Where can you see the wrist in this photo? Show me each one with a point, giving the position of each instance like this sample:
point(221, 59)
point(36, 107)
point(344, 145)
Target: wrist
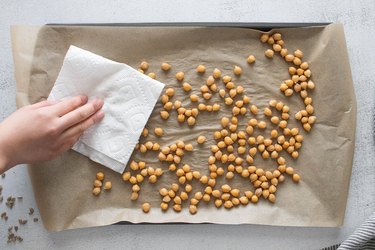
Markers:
point(5, 162)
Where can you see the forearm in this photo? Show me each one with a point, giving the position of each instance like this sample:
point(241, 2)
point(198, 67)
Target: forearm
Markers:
point(4, 157)
point(4, 161)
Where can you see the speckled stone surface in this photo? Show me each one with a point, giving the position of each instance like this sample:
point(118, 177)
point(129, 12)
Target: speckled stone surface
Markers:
point(358, 18)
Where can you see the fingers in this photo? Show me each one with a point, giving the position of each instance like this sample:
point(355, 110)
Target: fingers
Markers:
point(79, 128)
point(64, 107)
point(80, 114)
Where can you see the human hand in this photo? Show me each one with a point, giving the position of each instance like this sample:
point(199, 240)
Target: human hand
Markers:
point(44, 130)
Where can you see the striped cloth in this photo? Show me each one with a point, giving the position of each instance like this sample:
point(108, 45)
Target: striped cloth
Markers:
point(362, 239)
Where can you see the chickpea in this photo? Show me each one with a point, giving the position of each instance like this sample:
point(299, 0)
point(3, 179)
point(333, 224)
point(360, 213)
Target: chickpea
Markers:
point(264, 37)
point(144, 65)
point(227, 79)
point(100, 176)
point(271, 41)
point(126, 176)
point(133, 180)
point(194, 98)
point(228, 101)
point(298, 53)
point(289, 58)
point(254, 109)
point(180, 76)
point(272, 198)
point(296, 178)
point(213, 87)
point(275, 119)
point(230, 85)
point(177, 208)
point(265, 193)
point(228, 204)
point(159, 132)
point(152, 75)
point(284, 52)
point(311, 119)
point(226, 188)
point(297, 61)
point(307, 73)
point(134, 196)
point(216, 73)
point(310, 84)
point(276, 47)
point(269, 53)
point(165, 66)
point(288, 92)
point(211, 182)
point(310, 109)
point(229, 175)
point(164, 206)
point(237, 70)
point(216, 107)
point(191, 121)
point(98, 183)
point(251, 59)
point(262, 125)
point(142, 148)
point(164, 114)
point(204, 89)
point(254, 199)
point(96, 191)
point(207, 96)
point(201, 69)
point(210, 81)
point(245, 99)
point(304, 65)
point(186, 87)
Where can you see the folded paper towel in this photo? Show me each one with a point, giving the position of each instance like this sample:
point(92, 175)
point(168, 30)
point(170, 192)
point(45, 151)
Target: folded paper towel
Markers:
point(129, 98)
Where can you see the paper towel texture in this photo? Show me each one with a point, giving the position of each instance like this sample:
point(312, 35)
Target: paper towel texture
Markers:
point(129, 98)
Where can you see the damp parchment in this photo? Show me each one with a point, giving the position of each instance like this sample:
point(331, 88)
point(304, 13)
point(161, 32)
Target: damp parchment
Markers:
point(63, 186)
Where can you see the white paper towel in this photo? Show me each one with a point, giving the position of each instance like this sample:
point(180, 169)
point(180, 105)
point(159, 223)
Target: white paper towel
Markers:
point(129, 98)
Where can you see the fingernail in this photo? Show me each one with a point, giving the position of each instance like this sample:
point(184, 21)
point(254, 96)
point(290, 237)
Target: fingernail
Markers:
point(98, 103)
point(84, 98)
point(100, 115)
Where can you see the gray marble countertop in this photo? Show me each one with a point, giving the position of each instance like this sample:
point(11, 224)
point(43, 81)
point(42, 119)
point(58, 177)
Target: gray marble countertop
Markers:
point(358, 18)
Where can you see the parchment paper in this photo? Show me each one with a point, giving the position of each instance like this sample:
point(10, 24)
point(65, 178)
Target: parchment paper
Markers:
point(63, 186)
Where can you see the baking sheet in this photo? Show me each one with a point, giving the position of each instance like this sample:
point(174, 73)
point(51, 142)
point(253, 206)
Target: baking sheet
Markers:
point(63, 186)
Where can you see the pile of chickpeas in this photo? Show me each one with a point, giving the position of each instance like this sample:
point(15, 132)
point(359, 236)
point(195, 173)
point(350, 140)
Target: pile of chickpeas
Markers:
point(234, 149)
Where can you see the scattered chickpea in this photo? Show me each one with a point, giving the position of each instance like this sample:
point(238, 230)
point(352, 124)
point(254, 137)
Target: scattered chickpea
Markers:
point(169, 92)
point(298, 53)
point(251, 59)
point(144, 65)
point(180, 76)
point(165, 66)
point(98, 183)
point(194, 98)
point(269, 53)
point(152, 75)
point(191, 121)
point(159, 132)
point(100, 176)
point(237, 70)
point(201, 139)
point(296, 178)
point(201, 69)
point(96, 191)
point(186, 87)
point(254, 109)
point(264, 37)
point(164, 114)
point(216, 73)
